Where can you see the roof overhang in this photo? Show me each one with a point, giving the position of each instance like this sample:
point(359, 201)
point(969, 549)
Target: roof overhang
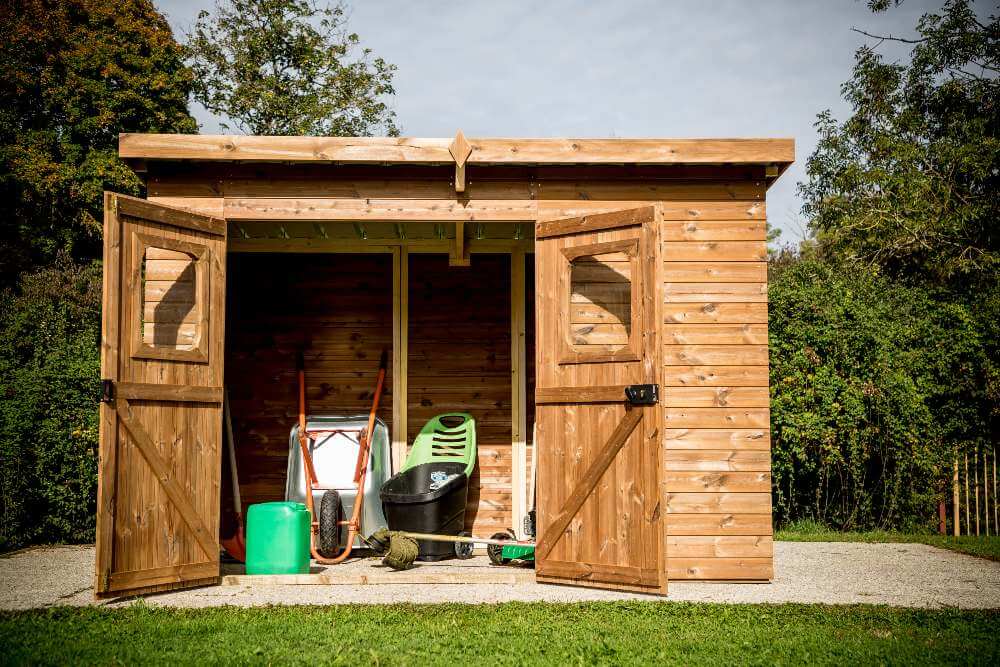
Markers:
point(774, 154)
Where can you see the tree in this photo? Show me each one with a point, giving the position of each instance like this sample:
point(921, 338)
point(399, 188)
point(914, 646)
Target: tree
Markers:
point(875, 386)
point(50, 330)
point(908, 183)
point(73, 74)
point(289, 67)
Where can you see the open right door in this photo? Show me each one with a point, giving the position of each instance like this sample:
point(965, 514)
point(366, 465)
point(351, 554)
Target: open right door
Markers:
point(600, 517)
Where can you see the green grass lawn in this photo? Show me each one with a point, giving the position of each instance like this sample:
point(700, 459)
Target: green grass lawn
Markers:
point(808, 531)
point(512, 633)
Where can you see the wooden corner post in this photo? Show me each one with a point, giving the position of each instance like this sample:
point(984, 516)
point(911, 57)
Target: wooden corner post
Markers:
point(400, 353)
point(519, 398)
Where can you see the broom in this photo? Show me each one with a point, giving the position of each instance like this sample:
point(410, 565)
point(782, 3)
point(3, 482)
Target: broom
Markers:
point(235, 545)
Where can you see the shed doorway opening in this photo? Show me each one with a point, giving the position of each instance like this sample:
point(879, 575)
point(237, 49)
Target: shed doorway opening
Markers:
point(451, 333)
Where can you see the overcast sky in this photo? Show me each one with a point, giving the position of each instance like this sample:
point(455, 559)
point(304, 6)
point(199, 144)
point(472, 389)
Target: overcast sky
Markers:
point(628, 68)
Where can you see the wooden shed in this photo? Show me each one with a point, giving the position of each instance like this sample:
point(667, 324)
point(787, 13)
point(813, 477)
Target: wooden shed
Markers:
point(530, 282)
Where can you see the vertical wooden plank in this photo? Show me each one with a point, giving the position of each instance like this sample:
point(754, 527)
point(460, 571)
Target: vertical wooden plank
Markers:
point(653, 354)
point(459, 250)
point(968, 524)
point(975, 488)
point(519, 408)
point(986, 491)
point(955, 514)
point(400, 353)
point(108, 428)
point(996, 511)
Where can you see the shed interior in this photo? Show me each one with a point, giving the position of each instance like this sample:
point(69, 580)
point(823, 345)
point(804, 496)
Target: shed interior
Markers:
point(338, 310)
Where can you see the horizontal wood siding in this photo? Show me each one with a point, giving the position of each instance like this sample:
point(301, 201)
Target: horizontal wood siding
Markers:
point(717, 463)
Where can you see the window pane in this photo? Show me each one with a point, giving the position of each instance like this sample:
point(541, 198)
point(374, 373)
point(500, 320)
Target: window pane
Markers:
point(601, 300)
point(169, 316)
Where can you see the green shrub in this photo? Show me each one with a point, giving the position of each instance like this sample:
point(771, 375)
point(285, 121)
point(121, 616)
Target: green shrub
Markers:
point(874, 387)
point(49, 385)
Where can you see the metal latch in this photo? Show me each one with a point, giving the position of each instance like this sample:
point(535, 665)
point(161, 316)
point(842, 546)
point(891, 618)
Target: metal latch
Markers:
point(642, 394)
point(107, 391)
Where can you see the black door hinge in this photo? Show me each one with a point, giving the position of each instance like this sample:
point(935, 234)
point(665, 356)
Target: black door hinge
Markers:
point(107, 391)
point(642, 394)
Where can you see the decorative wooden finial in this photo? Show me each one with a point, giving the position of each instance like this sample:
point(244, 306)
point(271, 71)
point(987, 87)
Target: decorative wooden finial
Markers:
point(460, 150)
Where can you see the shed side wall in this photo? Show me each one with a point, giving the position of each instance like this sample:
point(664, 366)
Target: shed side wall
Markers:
point(717, 458)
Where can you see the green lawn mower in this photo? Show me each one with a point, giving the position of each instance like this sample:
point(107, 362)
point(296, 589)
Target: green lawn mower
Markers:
point(399, 547)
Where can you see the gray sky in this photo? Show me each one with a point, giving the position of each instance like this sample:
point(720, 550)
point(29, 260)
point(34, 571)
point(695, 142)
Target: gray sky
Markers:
point(631, 68)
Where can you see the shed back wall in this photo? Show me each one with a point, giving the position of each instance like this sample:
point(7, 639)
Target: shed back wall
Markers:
point(459, 361)
point(337, 309)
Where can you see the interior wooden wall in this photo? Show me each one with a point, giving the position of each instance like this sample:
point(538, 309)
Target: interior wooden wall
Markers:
point(338, 310)
point(459, 361)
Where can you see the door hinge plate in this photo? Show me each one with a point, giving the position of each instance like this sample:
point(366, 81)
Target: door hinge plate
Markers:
point(107, 391)
point(642, 394)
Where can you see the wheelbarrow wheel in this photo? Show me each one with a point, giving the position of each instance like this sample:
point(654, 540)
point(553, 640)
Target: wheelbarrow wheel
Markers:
point(495, 551)
point(331, 512)
point(463, 550)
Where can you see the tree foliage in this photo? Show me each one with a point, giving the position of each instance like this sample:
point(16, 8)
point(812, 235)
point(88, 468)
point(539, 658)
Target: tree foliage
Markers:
point(874, 388)
point(883, 327)
point(73, 74)
point(908, 183)
point(49, 386)
point(289, 67)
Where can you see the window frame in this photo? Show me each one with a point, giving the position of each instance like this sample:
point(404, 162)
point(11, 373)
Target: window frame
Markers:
point(573, 353)
point(201, 255)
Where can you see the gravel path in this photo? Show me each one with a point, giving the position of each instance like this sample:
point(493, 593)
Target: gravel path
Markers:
point(907, 575)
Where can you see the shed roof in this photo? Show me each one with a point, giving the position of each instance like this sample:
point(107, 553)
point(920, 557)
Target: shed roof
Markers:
point(403, 150)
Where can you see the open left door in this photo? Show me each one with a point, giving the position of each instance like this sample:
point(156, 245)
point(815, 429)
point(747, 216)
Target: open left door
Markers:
point(599, 422)
point(161, 410)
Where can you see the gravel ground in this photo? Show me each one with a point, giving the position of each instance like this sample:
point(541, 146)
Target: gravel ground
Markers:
point(906, 575)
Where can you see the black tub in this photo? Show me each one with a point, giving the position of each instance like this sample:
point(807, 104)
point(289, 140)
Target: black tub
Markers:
point(409, 503)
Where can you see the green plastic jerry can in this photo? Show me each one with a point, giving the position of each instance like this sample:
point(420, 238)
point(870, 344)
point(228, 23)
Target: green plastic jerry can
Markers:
point(278, 538)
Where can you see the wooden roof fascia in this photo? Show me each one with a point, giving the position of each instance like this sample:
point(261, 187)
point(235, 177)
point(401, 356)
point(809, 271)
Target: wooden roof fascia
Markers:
point(400, 150)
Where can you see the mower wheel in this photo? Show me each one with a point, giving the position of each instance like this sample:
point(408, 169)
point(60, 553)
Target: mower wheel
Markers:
point(331, 512)
point(495, 551)
point(463, 550)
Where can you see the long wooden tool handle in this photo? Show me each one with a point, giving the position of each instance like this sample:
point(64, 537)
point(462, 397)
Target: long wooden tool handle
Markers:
point(462, 538)
point(231, 446)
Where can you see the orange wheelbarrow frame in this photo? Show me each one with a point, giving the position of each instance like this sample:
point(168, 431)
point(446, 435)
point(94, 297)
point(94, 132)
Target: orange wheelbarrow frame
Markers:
point(360, 471)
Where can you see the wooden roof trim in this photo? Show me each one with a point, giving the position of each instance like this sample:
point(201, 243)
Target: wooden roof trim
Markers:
point(283, 149)
point(436, 151)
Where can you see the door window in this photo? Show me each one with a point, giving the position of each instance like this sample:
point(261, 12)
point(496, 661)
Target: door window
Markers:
point(603, 312)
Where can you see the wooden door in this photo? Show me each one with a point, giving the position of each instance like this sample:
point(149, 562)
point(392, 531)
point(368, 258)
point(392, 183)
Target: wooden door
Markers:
point(600, 517)
point(161, 409)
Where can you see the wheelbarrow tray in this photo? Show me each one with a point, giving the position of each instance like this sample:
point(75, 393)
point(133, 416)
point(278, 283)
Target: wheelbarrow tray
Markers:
point(335, 457)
